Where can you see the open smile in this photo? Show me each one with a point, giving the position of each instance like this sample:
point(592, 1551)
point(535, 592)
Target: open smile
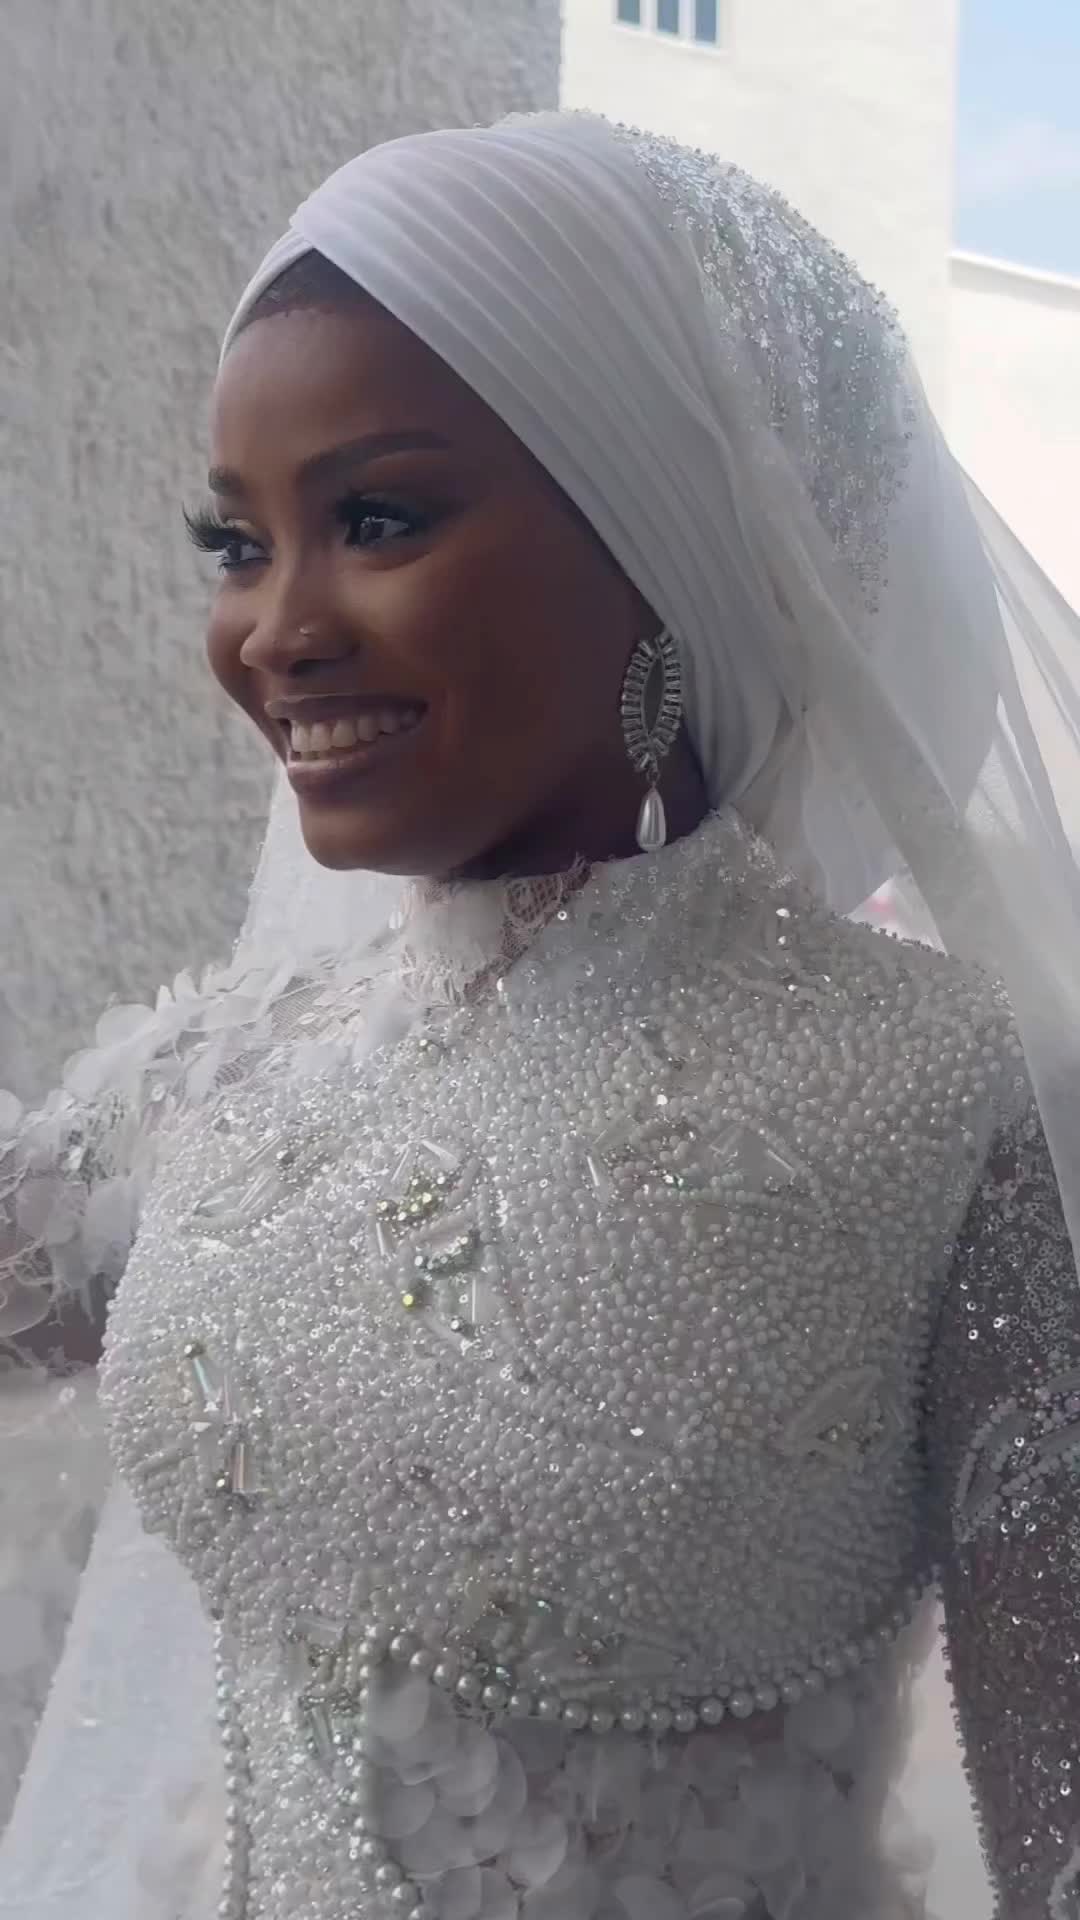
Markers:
point(323, 754)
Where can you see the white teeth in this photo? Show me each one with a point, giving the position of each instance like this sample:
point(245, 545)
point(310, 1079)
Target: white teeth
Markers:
point(323, 738)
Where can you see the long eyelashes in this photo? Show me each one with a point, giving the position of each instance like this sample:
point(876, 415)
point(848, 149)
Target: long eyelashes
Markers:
point(365, 521)
point(207, 532)
point(211, 535)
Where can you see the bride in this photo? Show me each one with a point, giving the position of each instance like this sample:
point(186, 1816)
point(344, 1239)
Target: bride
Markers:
point(586, 1290)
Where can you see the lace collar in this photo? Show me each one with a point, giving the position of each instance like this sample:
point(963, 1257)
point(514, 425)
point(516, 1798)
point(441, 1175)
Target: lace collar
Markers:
point(450, 941)
point(447, 946)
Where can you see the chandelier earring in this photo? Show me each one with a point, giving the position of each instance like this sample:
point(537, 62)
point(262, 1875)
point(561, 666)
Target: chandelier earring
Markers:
point(651, 706)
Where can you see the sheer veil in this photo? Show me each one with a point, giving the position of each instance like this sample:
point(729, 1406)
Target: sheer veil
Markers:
point(878, 674)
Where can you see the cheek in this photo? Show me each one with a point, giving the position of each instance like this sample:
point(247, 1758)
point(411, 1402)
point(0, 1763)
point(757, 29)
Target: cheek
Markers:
point(503, 621)
point(480, 638)
point(551, 642)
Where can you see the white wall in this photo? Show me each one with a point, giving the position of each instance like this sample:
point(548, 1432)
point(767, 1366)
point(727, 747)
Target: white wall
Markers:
point(1014, 403)
point(845, 105)
point(152, 150)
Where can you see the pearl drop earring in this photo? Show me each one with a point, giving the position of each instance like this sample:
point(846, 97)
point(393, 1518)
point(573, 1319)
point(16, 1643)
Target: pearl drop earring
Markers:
point(651, 709)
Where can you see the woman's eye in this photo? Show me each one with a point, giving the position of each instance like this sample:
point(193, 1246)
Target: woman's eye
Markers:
point(372, 523)
point(366, 522)
point(373, 528)
point(239, 551)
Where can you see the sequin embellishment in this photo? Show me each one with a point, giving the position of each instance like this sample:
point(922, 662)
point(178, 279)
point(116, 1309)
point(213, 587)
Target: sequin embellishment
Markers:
point(827, 347)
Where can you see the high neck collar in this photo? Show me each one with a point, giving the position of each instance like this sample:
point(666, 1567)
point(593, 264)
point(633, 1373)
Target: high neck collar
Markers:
point(451, 939)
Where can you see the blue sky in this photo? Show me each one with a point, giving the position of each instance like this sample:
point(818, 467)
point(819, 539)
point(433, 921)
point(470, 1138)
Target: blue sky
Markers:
point(1018, 158)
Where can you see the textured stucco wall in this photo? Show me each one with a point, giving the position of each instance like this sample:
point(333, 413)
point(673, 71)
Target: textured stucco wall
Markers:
point(150, 150)
point(845, 105)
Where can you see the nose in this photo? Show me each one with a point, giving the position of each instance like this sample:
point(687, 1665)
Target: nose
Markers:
point(295, 633)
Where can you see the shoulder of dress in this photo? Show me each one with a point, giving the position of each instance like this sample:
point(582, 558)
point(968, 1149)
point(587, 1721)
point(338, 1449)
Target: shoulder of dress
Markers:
point(946, 1023)
point(735, 917)
point(931, 988)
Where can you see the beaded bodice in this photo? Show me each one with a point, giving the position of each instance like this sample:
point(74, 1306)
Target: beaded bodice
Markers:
point(565, 1360)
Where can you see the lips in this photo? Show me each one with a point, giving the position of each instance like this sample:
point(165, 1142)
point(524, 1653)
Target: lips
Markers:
point(334, 747)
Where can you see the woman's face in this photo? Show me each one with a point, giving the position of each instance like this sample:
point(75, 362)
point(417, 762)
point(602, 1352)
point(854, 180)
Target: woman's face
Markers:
point(424, 630)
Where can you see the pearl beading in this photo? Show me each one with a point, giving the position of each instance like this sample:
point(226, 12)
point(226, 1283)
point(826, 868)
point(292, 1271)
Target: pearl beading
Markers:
point(488, 1687)
point(395, 1768)
point(669, 1207)
point(234, 1893)
point(483, 1683)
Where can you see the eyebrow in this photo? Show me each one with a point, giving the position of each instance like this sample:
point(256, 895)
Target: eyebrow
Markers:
point(337, 461)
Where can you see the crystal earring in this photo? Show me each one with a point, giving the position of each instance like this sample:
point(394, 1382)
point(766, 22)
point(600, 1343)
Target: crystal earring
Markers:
point(651, 708)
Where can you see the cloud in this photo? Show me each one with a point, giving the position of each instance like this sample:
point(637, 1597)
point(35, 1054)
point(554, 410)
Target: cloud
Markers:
point(1009, 161)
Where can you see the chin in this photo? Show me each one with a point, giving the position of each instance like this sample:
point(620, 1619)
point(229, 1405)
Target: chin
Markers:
point(375, 842)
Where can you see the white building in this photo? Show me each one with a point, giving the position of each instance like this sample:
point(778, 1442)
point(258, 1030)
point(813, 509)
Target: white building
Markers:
point(1013, 382)
point(847, 106)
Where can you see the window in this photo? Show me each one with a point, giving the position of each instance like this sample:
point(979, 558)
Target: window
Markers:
point(696, 22)
point(706, 23)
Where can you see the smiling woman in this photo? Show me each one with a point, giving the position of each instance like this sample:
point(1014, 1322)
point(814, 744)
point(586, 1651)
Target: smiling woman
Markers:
point(382, 535)
point(586, 1289)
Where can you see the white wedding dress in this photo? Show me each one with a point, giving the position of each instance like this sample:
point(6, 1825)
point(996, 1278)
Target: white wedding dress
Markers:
point(550, 1407)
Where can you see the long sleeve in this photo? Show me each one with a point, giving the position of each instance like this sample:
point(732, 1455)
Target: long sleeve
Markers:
point(70, 1175)
point(1004, 1442)
point(73, 1173)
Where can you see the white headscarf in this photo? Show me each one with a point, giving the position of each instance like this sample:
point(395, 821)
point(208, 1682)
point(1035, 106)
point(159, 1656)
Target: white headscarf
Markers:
point(733, 410)
point(538, 261)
